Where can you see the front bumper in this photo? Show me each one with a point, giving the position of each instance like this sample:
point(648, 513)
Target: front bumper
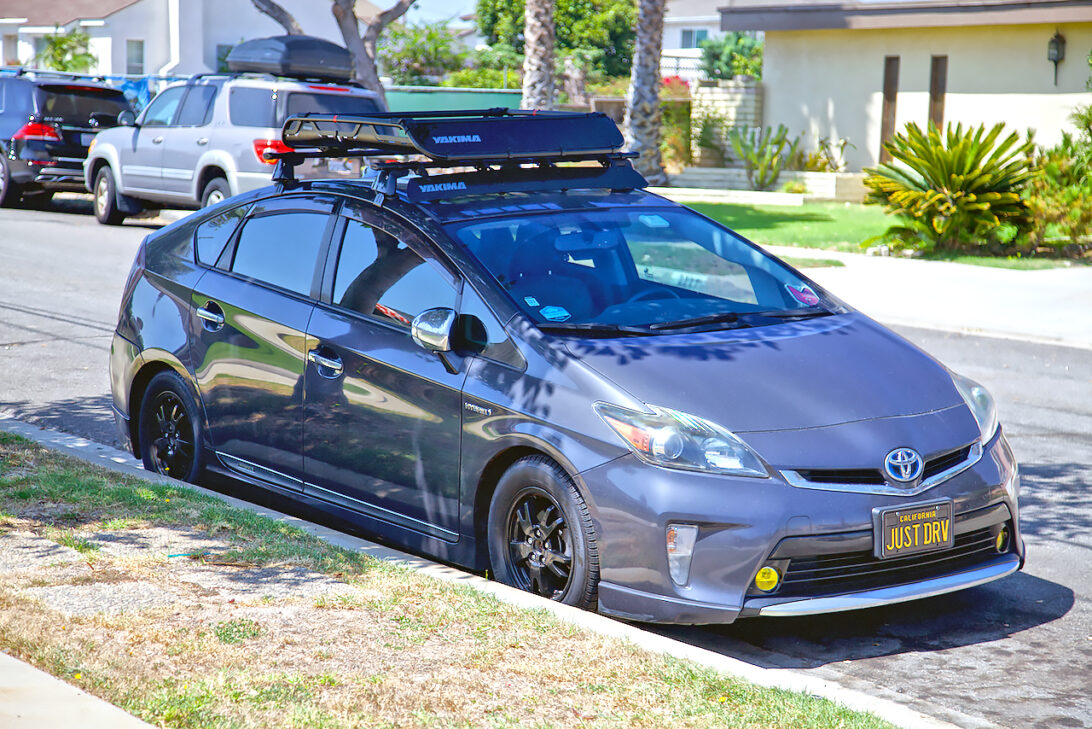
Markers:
point(744, 523)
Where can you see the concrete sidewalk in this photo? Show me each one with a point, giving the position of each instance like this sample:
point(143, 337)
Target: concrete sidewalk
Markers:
point(1052, 305)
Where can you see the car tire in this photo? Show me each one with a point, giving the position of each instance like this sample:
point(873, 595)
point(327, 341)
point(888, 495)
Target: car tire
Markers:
point(105, 198)
point(10, 192)
point(541, 536)
point(215, 191)
point(170, 429)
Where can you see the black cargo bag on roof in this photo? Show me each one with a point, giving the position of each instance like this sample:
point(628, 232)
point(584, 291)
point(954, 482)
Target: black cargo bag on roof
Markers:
point(295, 56)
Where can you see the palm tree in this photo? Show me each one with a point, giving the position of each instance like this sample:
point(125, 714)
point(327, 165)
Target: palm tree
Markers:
point(643, 119)
point(538, 60)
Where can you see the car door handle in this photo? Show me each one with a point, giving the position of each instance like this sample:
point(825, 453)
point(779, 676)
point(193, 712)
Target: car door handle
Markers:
point(331, 363)
point(157, 140)
point(212, 316)
point(202, 141)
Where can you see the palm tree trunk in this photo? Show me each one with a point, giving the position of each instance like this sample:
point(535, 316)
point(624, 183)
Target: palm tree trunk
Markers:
point(643, 117)
point(538, 59)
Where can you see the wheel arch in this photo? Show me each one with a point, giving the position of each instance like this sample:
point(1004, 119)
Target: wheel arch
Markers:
point(209, 173)
point(139, 387)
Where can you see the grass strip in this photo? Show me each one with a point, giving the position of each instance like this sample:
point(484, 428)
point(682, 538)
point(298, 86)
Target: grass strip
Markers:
point(390, 648)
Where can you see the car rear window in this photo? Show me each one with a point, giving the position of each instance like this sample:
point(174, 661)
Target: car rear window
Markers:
point(257, 107)
point(71, 104)
point(302, 102)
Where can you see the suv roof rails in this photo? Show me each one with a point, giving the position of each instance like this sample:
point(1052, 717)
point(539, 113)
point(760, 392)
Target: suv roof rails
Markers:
point(67, 75)
point(496, 142)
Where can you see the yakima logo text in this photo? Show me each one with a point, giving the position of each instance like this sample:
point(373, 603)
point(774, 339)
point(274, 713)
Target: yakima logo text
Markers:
point(457, 139)
point(444, 187)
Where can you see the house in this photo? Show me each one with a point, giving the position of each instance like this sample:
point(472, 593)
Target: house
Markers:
point(686, 24)
point(862, 70)
point(160, 37)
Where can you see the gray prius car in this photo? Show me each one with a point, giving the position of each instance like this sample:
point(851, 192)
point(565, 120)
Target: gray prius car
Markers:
point(504, 352)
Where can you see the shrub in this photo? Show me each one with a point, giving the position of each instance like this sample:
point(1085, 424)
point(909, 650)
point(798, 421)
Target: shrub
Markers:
point(732, 55)
point(763, 153)
point(675, 139)
point(958, 191)
point(419, 54)
point(1059, 195)
point(484, 78)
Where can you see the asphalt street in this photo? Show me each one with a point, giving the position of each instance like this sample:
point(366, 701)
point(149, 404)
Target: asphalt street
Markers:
point(1015, 653)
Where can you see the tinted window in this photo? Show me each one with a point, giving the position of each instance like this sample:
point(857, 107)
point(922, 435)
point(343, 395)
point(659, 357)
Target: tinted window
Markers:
point(380, 276)
point(300, 103)
point(214, 234)
point(161, 111)
point(75, 104)
point(197, 107)
point(281, 249)
point(251, 107)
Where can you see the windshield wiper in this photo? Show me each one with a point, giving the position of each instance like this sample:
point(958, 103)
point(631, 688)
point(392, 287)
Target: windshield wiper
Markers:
point(725, 317)
point(593, 328)
point(809, 313)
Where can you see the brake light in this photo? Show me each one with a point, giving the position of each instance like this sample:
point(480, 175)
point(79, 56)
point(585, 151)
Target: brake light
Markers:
point(339, 89)
point(36, 131)
point(261, 146)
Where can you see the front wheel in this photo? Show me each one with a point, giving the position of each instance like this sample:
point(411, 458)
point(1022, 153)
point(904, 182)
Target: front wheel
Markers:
point(106, 199)
point(170, 431)
point(541, 536)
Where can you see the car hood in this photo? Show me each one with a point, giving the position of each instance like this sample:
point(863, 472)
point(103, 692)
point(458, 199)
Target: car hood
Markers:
point(788, 376)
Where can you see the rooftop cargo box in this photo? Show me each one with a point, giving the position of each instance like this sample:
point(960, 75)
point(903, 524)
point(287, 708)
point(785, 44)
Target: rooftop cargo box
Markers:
point(294, 56)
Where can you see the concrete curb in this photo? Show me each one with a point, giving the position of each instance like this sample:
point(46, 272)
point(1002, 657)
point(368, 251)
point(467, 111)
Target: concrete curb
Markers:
point(892, 711)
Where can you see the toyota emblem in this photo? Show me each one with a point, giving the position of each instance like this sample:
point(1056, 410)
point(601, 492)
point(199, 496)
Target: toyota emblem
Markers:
point(903, 465)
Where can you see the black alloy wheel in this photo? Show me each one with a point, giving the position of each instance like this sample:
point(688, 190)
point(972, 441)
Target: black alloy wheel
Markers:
point(541, 537)
point(170, 436)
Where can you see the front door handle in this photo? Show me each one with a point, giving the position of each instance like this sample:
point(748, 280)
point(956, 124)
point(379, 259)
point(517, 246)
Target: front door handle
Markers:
point(202, 141)
point(157, 140)
point(212, 316)
point(330, 363)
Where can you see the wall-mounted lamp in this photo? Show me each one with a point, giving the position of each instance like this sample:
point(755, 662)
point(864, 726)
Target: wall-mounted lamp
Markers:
point(1056, 52)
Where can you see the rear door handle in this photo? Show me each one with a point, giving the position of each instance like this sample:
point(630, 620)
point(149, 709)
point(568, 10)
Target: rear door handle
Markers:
point(330, 363)
point(202, 141)
point(212, 316)
point(157, 140)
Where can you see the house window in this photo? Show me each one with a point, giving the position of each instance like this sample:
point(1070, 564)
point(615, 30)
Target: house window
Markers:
point(11, 50)
point(890, 93)
point(938, 86)
point(134, 57)
point(693, 38)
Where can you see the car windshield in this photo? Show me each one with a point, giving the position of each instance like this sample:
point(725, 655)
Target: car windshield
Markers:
point(70, 104)
point(627, 270)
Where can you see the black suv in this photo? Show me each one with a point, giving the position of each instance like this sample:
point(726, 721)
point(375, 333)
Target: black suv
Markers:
point(47, 122)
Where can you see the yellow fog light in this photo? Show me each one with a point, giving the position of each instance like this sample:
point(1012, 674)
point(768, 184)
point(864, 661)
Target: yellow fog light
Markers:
point(767, 579)
point(1001, 543)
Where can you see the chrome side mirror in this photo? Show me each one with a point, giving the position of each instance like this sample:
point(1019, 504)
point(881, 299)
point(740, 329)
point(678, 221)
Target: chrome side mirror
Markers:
point(432, 329)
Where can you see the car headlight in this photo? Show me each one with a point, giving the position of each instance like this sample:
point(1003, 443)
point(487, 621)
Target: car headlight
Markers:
point(673, 439)
point(981, 403)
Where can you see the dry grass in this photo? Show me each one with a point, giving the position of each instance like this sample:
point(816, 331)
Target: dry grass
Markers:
point(378, 647)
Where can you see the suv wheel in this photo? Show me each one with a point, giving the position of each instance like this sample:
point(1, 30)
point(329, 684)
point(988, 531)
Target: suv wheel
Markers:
point(9, 191)
point(541, 537)
point(106, 199)
point(170, 431)
point(215, 191)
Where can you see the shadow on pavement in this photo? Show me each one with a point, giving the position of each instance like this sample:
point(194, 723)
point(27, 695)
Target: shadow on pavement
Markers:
point(77, 204)
point(87, 417)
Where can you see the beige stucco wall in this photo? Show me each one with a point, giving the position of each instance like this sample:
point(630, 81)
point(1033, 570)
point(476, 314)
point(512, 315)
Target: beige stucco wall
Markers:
point(830, 83)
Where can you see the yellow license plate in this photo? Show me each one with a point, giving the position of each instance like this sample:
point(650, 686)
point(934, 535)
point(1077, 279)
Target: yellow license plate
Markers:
point(915, 529)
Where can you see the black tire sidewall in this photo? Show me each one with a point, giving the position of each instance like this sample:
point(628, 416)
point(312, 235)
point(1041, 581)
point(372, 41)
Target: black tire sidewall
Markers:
point(109, 215)
point(163, 382)
point(216, 183)
point(9, 192)
point(542, 473)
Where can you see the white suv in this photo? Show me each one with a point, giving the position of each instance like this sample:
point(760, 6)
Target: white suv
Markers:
point(201, 141)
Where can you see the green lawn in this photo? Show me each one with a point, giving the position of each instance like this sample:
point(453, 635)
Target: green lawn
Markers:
point(830, 225)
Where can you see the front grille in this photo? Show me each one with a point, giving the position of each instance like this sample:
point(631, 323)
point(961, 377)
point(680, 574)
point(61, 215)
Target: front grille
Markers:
point(831, 574)
point(873, 476)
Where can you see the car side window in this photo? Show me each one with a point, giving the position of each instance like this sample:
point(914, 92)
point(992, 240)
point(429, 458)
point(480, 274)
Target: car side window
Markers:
point(212, 236)
point(281, 248)
point(197, 106)
point(161, 110)
point(250, 106)
point(380, 276)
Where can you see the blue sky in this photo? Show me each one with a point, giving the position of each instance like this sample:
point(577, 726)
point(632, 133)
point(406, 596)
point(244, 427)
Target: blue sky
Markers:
point(432, 10)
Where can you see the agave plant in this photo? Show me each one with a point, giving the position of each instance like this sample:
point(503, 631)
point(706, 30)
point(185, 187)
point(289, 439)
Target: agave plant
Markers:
point(763, 153)
point(957, 191)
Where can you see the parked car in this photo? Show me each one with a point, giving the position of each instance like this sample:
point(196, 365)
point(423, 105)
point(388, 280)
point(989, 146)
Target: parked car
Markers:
point(47, 122)
point(543, 370)
point(202, 140)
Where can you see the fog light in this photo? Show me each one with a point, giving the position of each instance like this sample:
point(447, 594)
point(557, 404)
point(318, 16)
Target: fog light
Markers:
point(767, 579)
point(680, 549)
point(1001, 543)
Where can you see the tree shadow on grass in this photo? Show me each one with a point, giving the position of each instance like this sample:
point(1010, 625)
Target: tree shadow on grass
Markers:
point(754, 218)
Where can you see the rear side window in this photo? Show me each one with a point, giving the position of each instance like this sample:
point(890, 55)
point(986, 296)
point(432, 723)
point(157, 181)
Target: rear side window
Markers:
point(213, 235)
point(197, 107)
point(252, 107)
point(281, 249)
point(71, 104)
point(301, 103)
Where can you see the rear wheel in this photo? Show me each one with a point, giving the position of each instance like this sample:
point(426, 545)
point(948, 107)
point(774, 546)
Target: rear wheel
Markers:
point(170, 431)
point(9, 190)
point(541, 537)
point(216, 191)
point(106, 198)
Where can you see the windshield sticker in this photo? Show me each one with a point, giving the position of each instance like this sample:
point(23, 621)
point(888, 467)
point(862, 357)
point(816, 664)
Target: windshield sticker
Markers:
point(555, 313)
point(531, 300)
point(804, 294)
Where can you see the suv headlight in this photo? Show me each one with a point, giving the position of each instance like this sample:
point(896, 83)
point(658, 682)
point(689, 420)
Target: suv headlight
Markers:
point(673, 439)
point(981, 403)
